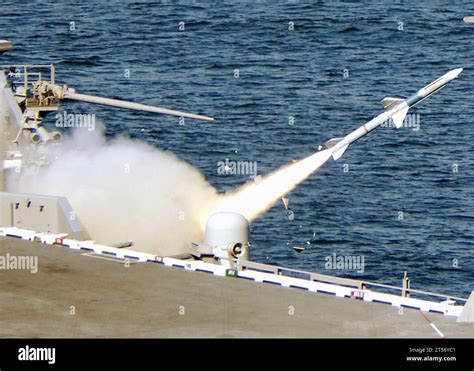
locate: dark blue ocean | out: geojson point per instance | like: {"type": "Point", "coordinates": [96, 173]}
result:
{"type": "Point", "coordinates": [325, 63]}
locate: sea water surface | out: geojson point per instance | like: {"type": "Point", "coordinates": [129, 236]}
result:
{"type": "Point", "coordinates": [326, 64]}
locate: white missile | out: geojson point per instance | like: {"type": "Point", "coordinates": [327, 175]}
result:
{"type": "Point", "coordinates": [395, 109]}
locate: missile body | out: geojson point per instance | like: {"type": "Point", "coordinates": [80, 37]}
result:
{"type": "Point", "coordinates": [396, 109]}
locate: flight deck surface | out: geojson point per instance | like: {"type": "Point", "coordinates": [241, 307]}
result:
{"type": "Point", "coordinates": [75, 295]}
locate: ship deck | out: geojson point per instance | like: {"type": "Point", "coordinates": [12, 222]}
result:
{"type": "Point", "coordinates": [74, 295]}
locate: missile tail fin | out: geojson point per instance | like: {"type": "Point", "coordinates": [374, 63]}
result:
{"type": "Point", "coordinates": [390, 102]}
{"type": "Point", "coordinates": [399, 117]}
{"type": "Point", "coordinates": [337, 154]}
{"type": "Point", "coordinates": [332, 142]}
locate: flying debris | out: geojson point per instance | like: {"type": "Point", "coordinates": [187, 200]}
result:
{"type": "Point", "coordinates": [312, 240]}
{"type": "Point", "coordinates": [396, 109]}
{"type": "Point", "coordinates": [5, 45]}
{"type": "Point", "coordinates": [298, 249]}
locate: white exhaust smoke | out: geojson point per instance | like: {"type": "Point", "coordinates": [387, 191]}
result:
{"type": "Point", "coordinates": [124, 190]}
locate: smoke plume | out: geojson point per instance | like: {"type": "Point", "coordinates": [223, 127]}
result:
{"type": "Point", "coordinates": [124, 190]}
{"type": "Point", "coordinates": [128, 190]}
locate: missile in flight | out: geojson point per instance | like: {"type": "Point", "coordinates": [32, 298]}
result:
{"type": "Point", "coordinates": [395, 108]}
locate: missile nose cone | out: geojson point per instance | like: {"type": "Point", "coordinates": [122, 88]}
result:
{"type": "Point", "coordinates": [455, 73]}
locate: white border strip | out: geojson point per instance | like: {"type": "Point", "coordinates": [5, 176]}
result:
{"type": "Point", "coordinates": [218, 270]}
